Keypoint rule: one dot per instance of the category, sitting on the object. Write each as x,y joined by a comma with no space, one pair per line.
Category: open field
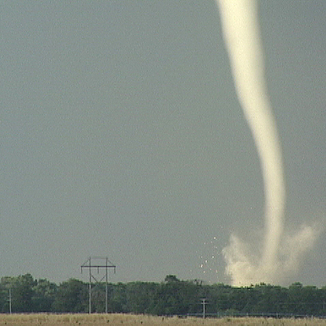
143,320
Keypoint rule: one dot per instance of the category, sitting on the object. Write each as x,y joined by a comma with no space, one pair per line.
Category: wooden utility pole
9,300
204,303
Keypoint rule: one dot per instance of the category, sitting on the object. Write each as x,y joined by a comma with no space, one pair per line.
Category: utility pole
9,300
204,303
97,263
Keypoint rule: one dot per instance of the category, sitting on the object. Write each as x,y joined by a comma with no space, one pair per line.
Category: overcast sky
121,136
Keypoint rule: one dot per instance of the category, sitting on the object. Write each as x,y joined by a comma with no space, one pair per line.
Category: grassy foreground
143,320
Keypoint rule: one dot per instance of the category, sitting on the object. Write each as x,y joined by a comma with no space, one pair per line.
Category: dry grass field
143,320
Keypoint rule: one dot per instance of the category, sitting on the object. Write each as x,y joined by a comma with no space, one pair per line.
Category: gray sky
121,136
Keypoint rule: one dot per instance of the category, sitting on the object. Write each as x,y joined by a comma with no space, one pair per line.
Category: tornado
281,253
239,19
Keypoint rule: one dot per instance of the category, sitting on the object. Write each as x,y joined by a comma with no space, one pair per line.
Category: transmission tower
97,263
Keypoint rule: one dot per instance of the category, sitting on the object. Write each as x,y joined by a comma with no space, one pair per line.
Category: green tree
22,293
71,296
171,279
117,300
44,295
6,285
141,297
269,299
175,297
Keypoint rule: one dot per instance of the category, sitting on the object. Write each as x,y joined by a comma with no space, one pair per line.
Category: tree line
169,297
